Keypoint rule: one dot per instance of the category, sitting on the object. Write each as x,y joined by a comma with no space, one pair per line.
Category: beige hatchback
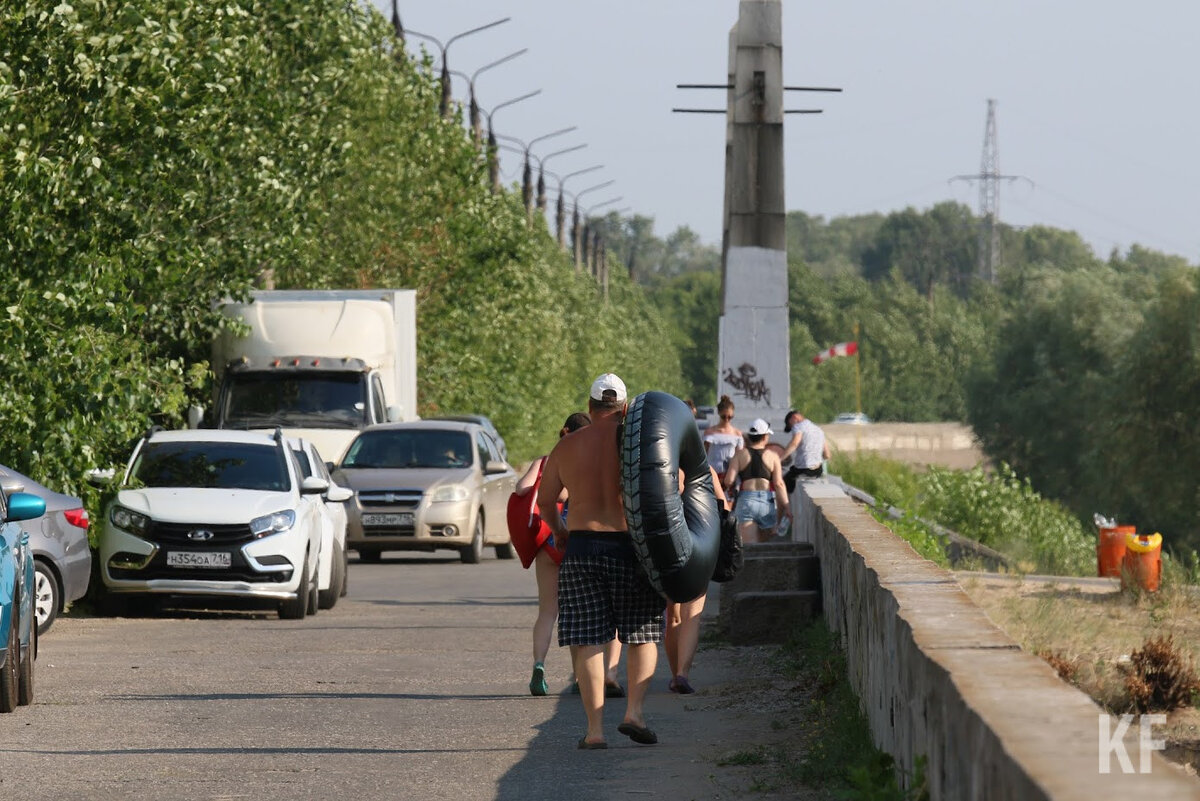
424,486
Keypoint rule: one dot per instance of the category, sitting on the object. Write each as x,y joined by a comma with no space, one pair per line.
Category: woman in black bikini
757,471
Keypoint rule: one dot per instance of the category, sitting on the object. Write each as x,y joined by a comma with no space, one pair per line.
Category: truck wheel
472,553
505,551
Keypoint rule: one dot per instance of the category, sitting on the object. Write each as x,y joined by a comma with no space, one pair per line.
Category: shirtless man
601,587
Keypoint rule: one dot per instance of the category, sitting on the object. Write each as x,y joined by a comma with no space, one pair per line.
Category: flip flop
584,745
639,734
682,686
613,690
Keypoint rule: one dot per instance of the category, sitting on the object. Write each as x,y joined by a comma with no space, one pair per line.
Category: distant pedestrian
681,637
601,586
756,471
808,448
546,572
722,440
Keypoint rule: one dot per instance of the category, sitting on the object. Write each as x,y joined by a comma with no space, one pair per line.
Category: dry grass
1110,643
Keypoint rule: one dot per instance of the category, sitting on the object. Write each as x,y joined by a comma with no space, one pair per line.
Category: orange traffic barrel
1110,551
1143,561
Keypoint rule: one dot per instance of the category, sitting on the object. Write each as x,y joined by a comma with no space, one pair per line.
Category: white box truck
320,364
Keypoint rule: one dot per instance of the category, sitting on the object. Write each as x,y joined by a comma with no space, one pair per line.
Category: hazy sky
1096,105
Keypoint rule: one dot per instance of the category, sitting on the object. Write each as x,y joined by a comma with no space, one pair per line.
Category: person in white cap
601,586
757,470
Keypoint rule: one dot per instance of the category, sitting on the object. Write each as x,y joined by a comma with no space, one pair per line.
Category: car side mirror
100,477
338,494
494,467
395,414
313,486
195,415
23,506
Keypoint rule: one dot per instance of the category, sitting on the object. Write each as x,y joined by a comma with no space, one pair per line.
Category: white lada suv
214,513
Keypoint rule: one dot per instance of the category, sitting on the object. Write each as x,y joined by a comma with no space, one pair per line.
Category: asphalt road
413,686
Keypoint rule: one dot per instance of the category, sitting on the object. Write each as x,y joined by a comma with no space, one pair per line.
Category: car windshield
409,448
334,400
210,465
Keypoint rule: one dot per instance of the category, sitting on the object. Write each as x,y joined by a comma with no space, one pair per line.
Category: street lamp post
575,229
397,26
592,235
541,184
473,108
493,165
560,212
527,173
444,106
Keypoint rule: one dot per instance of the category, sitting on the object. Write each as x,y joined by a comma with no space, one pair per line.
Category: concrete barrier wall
938,680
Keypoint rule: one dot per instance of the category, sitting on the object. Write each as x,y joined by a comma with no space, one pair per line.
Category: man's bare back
586,463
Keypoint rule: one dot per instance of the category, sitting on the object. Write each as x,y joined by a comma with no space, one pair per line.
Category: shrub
1160,678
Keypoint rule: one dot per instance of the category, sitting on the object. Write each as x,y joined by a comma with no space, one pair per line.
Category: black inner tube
676,536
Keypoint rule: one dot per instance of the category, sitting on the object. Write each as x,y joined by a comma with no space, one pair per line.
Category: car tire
296,608
472,553
337,579
9,680
313,601
25,680
47,595
368,554
345,574
505,551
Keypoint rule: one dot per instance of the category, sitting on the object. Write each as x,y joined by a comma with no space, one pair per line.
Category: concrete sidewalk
737,699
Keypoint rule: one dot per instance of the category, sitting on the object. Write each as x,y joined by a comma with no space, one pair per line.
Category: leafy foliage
157,157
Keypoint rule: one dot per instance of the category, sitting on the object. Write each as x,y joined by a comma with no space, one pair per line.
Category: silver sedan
62,556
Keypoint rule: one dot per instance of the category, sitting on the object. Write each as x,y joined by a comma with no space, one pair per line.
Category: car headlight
450,493
129,520
273,523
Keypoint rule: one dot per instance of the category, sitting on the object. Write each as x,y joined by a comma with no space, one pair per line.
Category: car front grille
193,534
391,500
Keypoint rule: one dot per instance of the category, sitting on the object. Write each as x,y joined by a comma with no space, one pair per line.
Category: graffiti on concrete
746,382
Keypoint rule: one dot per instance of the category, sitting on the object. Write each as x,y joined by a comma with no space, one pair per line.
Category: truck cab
319,364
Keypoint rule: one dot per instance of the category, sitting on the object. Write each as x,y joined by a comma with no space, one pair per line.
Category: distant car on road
487,424
214,513
427,485
852,418
62,557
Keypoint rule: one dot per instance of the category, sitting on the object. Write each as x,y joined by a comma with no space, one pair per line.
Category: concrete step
779,548
769,617
797,570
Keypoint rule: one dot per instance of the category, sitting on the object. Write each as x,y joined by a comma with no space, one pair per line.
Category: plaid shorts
601,589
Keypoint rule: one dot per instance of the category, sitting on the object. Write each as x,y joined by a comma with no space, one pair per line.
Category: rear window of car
410,448
211,465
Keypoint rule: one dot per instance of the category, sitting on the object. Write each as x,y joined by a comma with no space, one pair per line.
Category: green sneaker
537,682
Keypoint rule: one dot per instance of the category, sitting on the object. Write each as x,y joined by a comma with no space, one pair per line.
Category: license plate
399,519
198,559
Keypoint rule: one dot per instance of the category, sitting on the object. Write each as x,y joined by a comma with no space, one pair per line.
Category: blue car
18,628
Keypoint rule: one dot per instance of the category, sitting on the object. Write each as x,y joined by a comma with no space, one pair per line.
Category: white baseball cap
759,427
608,387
